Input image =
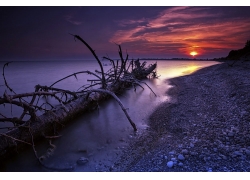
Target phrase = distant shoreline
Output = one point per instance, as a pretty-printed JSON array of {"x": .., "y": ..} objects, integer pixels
[{"x": 143, "y": 59}]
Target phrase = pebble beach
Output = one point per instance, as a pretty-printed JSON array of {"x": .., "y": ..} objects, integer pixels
[{"x": 204, "y": 128}]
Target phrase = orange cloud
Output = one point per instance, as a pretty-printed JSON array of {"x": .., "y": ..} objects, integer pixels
[{"x": 185, "y": 29}]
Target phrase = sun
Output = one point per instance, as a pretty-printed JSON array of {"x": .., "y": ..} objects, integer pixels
[{"x": 193, "y": 53}]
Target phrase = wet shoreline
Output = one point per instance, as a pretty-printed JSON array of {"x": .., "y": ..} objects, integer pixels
[{"x": 204, "y": 128}]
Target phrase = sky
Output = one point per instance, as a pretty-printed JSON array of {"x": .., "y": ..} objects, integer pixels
[{"x": 42, "y": 32}]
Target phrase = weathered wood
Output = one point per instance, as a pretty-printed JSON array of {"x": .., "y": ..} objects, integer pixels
[
  {"x": 51, "y": 121},
  {"x": 48, "y": 122},
  {"x": 104, "y": 85},
  {"x": 44, "y": 125},
  {"x": 120, "y": 103}
]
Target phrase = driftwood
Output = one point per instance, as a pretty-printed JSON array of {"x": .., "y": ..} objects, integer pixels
[{"x": 70, "y": 104}]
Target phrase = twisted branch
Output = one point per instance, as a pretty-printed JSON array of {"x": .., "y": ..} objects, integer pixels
[
  {"x": 104, "y": 85},
  {"x": 119, "y": 102},
  {"x": 74, "y": 74}
]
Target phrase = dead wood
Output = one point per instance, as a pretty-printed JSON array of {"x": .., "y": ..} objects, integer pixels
[
  {"x": 104, "y": 85},
  {"x": 119, "y": 102},
  {"x": 70, "y": 104}
]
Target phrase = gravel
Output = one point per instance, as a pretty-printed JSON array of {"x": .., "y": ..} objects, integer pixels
[{"x": 205, "y": 127}]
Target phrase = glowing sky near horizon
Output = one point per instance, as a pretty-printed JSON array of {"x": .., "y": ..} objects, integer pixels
[{"x": 43, "y": 32}]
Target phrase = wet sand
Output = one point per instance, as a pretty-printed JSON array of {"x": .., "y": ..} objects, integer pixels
[{"x": 205, "y": 127}]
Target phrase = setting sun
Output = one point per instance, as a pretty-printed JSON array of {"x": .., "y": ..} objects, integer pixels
[{"x": 193, "y": 53}]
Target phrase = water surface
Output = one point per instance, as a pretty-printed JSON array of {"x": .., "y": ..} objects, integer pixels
[{"x": 98, "y": 135}]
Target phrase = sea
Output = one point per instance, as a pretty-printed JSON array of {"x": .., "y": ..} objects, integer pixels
[{"x": 99, "y": 135}]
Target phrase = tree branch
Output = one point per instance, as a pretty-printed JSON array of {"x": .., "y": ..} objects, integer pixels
[
  {"x": 104, "y": 85},
  {"x": 74, "y": 74},
  {"x": 2, "y": 134},
  {"x": 119, "y": 102}
]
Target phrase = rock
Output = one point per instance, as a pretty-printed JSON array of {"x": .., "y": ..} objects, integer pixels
[
  {"x": 180, "y": 146},
  {"x": 243, "y": 157},
  {"x": 180, "y": 164},
  {"x": 237, "y": 153},
  {"x": 193, "y": 153},
  {"x": 173, "y": 159},
  {"x": 181, "y": 157},
  {"x": 82, "y": 161},
  {"x": 155, "y": 169},
  {"x": 170, "y": 164},
  {"x": 224, "y": 157},
  {"x": 247, "y": 152},
  {"x": 130, "y": 137},
  {"x": 172, "y": 153},
  {"x": 230, "y": 134},
  {"x": 184, "y": 151},
  {"x": 243, "y": 113},
  {"x": 111, "y": 168}
]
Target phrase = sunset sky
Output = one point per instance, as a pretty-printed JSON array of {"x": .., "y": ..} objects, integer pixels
[{"x": 39, "y": 33}]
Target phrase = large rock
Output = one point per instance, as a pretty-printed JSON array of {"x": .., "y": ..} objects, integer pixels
[
  {"x": 170, "y": 164},
  {"x": 181, "y": 157},
  {"x": 82, "y": 161}
]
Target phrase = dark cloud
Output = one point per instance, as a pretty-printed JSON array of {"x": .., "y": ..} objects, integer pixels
[
  {"x": 35, "y": 32},
  {"x": 71, "y": 20},
  {"x": 195, "y": 28}
]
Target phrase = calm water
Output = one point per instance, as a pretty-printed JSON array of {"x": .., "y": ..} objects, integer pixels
[{"x": 98, "y": 135}]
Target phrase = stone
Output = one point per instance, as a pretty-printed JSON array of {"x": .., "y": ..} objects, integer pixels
[
  {"x": 184, "y": 151},
  {"x": 210, "y": 170},
  {"x": 173, "y": 159},
  {"x": 170, "y": 164},
  {"x": 238, "y": 153},
  {"x": 193, "y": 153},
  {"x": 230, "y": 134},
  {"x": 82, "y": 161},
  {"x": 181, "y": 157},
  {"x": 155, "y": 169},
  {"x": 247, "y": 152},
  {"x": 111, "y": 168},
  {"x": 130, "y": 137},
  {"x": 243, "y": 157},
  {"x": 224, "y": 157},
  {"x": 243, "y": 113},
  {"x": 180, "y": 164},
  {"x": 180, "y": 146},
  {"x": 172, "y": 153}
]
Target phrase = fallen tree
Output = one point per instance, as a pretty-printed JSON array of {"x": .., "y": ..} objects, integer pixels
[{"x": 123, "y": 74}]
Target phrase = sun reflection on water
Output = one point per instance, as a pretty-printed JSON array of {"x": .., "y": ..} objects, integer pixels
[
  {"x": 175, "y": 69},
  {"x": 190, "y": 69}
]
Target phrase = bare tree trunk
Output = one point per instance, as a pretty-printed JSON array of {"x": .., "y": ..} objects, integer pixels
[{"x": 54, "y": 119}]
